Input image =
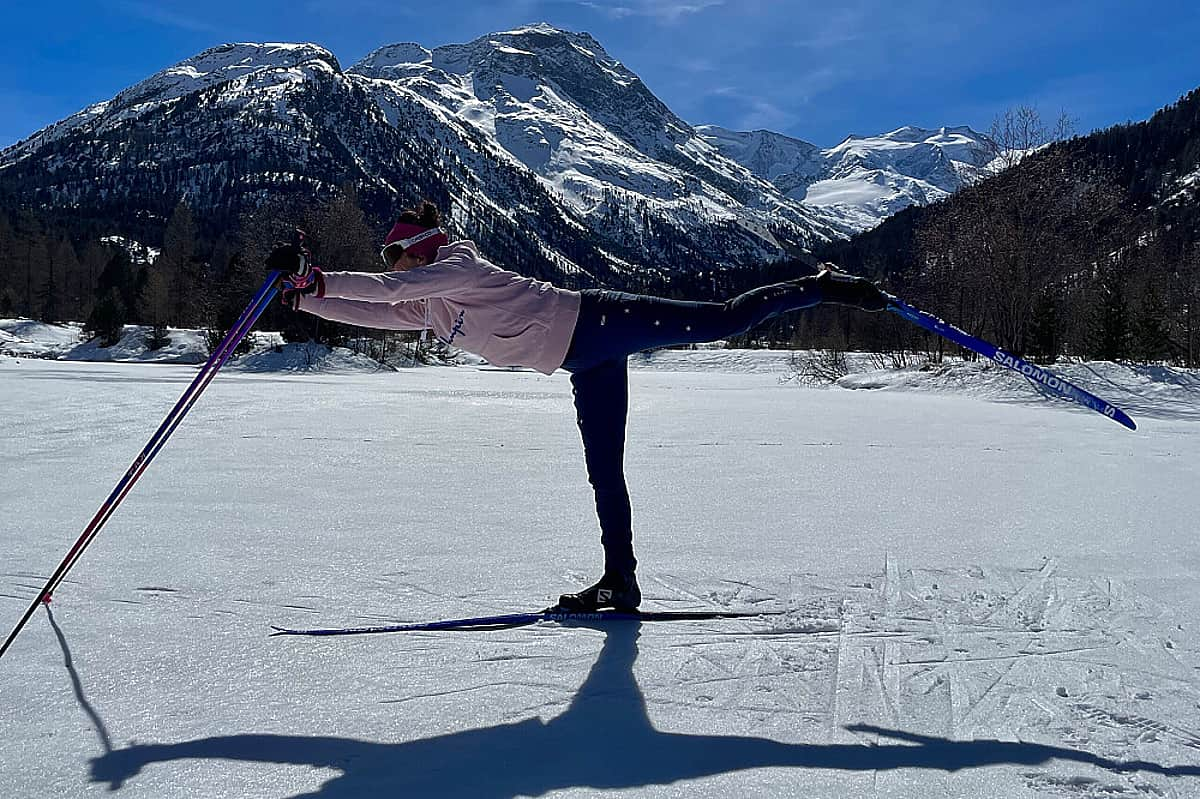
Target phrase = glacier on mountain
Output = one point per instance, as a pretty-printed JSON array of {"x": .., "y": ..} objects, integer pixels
[{"x": 864, "y": 179}]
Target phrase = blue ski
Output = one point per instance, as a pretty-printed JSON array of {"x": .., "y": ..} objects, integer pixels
[
  {"x": 508, "y": 620},
  {"x": 1051, "y": 381}
]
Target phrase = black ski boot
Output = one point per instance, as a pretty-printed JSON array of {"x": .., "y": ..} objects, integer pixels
[{"x": 616, "y": 590}]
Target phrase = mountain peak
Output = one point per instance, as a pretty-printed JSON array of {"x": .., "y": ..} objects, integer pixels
[
  {"x": 544, "y": 28},
  {"x": 864, "y": 177},
  {"x": 913, "y": 134},
  {"x": 245, "y": 61},
  {"x": 537, "y": 117},
  {"x": 543, "y": 38},
  {"x": 222, "y": 63},
  {"x": 392, "y": 61},
  {"x": 228, "y": 60},
  {"x": 908, "y": 133}
]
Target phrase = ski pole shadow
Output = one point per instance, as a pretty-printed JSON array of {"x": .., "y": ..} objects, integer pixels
[
  {"x": 604, "y": 740},
  {"x": 77, "y": 685}
]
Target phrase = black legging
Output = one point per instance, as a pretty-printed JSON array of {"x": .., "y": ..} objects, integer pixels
[{"x": 612, "y": 326}]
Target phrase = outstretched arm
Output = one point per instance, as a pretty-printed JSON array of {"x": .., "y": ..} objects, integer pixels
[
  {"x": 379, "y": 315},
  {"x": 438, "y": 279}
]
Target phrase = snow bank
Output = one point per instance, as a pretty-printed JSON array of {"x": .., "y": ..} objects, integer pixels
[
  {"x": 306, "y": 357},
  {"x": 1140, "y": 389},
  {"x": 24, "y": 338},
  {"x": 29, "y": 339},
  {"x": 183, "y": 346},
  {"x": 712, "y": 359}
]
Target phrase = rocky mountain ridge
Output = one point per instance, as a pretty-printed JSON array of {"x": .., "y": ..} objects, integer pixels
[{"x": 542, "y": 145}]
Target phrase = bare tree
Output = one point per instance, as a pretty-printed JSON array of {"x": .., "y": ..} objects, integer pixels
[
  {"x": 817, "y": 366},
  {"x": 957, "y": 249},
  {"x": 1020, "y": 130},
  {"x": 346, "y": 241},
  {"x": 1004, "y": 257}
]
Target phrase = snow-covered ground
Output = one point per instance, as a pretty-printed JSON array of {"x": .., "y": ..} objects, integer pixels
[
  {"x": 982, "y": 592},
  {"x": 30, "y": 339}
]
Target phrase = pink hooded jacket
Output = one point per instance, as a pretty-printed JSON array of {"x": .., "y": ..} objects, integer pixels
[{"x": 471, "y": 303}]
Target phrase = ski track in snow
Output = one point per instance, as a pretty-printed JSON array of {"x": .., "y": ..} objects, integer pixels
[{"x": 1076, "y": 649}]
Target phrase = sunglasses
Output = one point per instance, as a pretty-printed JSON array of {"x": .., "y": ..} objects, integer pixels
[{"x": 404, "y": 244}]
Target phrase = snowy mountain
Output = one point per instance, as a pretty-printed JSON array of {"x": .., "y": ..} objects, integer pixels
[
  {"x": 553, "y": 155},
  {"x": 235, "y": 121},
  {"x": 863, "y": 180},
  {"x": 249, "y": 74},
  {"x": 555, "y": 103}
]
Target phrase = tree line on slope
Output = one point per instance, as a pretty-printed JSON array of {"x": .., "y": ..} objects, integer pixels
[
  {"x": 59, "y": 267},
  {"x": 1086, "y": 248},
  {"x": 1089, "y": 247}
]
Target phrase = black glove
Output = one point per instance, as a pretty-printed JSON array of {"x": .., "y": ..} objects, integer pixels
[
  {"x": 297, "y": 275},
  {"x": 857, "y": 292},
  {"x": 287, "y": 259},
  {"x": 293, "y": 260}
]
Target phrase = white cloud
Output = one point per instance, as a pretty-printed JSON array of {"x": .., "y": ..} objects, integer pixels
[
  {"x": 662, "y": 10},
  {"x": 161, "y": 16},
  {"x": 757, "y": 112},
  {"x": 843, "y": 27},
  {"x": 345, "y": 8},
  {"x": 697, "y": 65}
]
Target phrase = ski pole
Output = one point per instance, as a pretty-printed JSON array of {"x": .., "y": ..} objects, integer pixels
[
  {"x": 216, "y": 360},
  {"x": 223, "y": 351},
  {"x": 1036, "y": 374}
]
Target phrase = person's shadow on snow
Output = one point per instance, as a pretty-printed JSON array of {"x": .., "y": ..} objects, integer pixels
[{"x": 603, "y": 740}]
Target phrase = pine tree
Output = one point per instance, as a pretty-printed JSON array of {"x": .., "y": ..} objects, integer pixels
[
  {"x": 8, "y": 270},
  {"x": 228, "y": 297},
  {"x": 345, "y": 239},
  {"x": 1151, "y": 337},
  {"x": 119, "y": 276},
  {"x": 48, "y": 298},
  {"x": 92, "y": 261},
  {"x": 35, "y": 259},
  {"x": 1111, "y": 318},
  {"x": 1045, "y": 335},
  {"x": 107, "y": 318},
  {"x": 178, "y": 268},
  {"x": 154, "y": 306},
  {"x": 75, "y": 286}
]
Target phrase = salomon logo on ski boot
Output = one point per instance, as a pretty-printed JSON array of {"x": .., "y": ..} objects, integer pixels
[{"x": 616, "y": 590}]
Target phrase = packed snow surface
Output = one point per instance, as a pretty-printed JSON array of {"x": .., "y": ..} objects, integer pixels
[{"x": 977, "y": 594}]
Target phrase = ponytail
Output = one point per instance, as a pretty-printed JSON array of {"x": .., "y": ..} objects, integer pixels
[{"x": 425, "y": 214}]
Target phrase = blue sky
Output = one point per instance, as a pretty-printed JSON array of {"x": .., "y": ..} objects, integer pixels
[{"x": 817, "y": 71}]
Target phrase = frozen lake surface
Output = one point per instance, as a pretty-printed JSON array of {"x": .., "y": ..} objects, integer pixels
[{"x": 981, "y": 592}]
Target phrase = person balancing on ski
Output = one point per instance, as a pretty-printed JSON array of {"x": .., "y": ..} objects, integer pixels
[{"x": 512, "y": 320}]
